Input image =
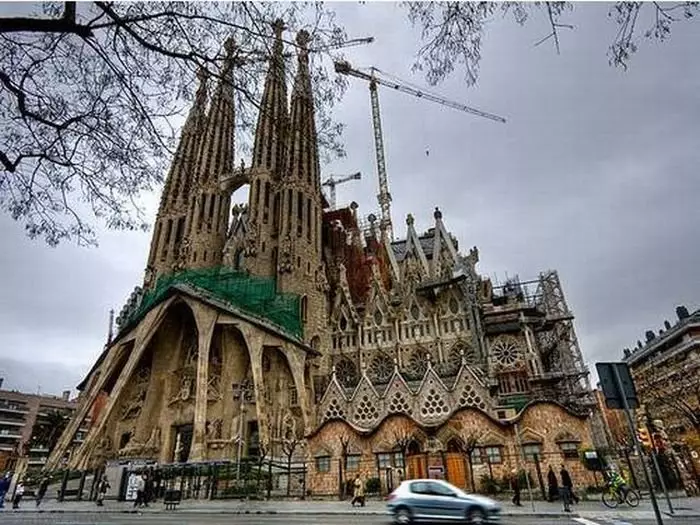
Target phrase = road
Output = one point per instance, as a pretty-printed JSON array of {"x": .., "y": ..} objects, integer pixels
[{"x": 280, "y": 519}]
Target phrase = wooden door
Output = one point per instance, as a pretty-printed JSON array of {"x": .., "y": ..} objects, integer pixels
[
  {"x": 456, "y": 469},
  {"x": 415, "y": 467}
]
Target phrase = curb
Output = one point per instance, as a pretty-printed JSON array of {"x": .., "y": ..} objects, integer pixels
[{"x": 267, "y": 512}]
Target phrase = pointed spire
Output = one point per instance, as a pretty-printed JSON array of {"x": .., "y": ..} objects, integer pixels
[
  {"x": 216, "y": 153},
  {"x": 179, "y": 180},
  {"x": 273, "y": 120},
  {"x": 302, "y": 149}
]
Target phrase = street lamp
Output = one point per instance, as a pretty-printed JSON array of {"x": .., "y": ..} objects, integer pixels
[{"x": 241, "y": 392}]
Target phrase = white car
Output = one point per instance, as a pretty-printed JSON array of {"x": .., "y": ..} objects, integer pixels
[{"x": 436, "y": 500}]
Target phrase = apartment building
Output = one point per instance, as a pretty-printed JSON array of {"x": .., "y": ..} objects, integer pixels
[{"x": 21, "y": 415}]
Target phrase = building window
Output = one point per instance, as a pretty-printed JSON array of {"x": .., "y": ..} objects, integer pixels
[
  {"x": 493, "y": 454},
  {"x": 293, "y": 397},
  {"x": 532, "y": 451},
  {"x": 569, "y": 449},
  {"x": 476, "y": 457},
  {"x": 304, "y": 308},
  {"x": 323, "y": 464},
  {"x": 383, "y": 460},
  {"x": 352, "y": 462},
  {"x": 398, "y": 459}
]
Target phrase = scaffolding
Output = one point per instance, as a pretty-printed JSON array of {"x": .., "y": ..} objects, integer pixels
[{"x": 256, "y": 296}]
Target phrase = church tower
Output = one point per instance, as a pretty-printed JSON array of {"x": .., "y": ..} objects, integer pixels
[
  {"x": 299, "y": 262},
  {"x": 170, "y": 222},
  {"x": 267, "y": 166},
  {"x": 207, "y": 219}
]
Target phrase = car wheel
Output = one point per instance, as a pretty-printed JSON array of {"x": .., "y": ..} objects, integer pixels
[
  {"x": 402, "y": 516},
  {"x": 476, "y": 517}
]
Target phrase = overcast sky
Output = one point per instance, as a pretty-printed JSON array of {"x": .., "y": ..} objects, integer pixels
[{"x": 595, "y": 175}]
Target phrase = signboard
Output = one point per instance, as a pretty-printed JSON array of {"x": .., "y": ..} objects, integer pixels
[
  {"x": 131, "y": 487},
  {"x": 614, "y": 398},
  {"x": 436, "y": 472}
]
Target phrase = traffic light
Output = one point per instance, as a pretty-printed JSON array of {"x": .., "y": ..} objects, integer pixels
[{"x": 644, "y": 438}]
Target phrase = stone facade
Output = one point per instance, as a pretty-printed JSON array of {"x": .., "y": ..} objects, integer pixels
[{"x": 399, "y": 352}]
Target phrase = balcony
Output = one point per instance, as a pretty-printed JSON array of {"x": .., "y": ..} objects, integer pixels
[
  {"x": 13, "y": 409},
  {"x": 5, "y": 434},
  {"x": 38, "y": 450},
  {"x": 6, "y": 448},
  {"x": 11, "y": 422},
  {"x": 37, "y": 461}
]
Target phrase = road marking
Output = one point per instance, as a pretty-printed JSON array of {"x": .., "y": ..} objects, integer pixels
[{"x": 584, "y": 521}]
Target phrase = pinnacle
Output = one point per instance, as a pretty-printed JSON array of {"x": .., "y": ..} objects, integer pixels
[{"x": 303, "y": 39}]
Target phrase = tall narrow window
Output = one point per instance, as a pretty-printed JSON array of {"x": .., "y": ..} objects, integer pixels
[
  {"x": 304, "y": 308},
  {"x": 308, "y": 219},
  {"x": 300, "y": 213}
]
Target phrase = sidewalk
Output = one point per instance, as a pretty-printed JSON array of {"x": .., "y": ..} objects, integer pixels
[{"x": 686, "y": 507}]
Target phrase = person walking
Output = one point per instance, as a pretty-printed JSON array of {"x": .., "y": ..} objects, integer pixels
[
  {"x": 553, "y": 484},
  {"x": 515, "y": 485},
  {"x": 567, "y": 488},
  {"x": 140, "y": 488},
  {"x": 41, "y": 492},
  {"x": 4, "y": 487},
  {"x": 358, "y": 494},
  {"x": 102, "y": 487},
  {"x": 147, "y": 489},
  {"x": 19, "y": 492}
]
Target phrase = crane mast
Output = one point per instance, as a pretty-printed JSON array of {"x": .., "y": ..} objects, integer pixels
[{"x": 384, "y": 196}]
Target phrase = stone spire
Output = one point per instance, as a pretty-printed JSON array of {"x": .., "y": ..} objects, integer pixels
[
  {"x": 208, "y": 213},
  {"x": 267, "y": 166},
  {"x": 302, "y": 148},
  {"x": 300, "y": 207},
  {"x": 170, "y": 221},
  {"x": 270, "y": 133},
  {"x": 215, "y": 157}
]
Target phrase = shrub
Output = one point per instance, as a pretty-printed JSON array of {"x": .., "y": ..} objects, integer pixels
[
  {"x": 372, "y": 486},
  {"x": 488, "y": 484}
]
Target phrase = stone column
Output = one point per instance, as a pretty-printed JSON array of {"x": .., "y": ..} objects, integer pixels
[
  {"x": 254, "y": 340},
  {"x": 145, "y": 331},
  {"x": 296, "y": 359},
  {"x": 206, "y": 322}
]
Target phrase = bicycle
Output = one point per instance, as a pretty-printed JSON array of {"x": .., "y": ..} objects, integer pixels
[{"x": 613, "y": 496}]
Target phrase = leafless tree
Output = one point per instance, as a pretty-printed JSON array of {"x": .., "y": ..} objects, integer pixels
[
  {"x": 290, "y": 443},
  {"x": 673, "y": 397},
  {"x": 452, "y": 31},
  {"x": 90, "y": 94},
  {"x": 403, "y": 435}
]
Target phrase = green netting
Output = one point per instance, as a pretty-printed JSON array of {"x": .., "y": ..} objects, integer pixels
[{"x": 256, "y": 296}]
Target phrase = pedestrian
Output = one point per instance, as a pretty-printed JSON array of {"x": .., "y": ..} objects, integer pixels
[
  {"x": 553, "y": 484},
  {"x": 19, "y": 492},
  {"x": 567, "y": 488},
  {"x": 148, "y": 489},
  {"x": 102, "y": 487},
  {"x": 515, "y": 485},
  {"x": 4, "y": 487},
  {"x": 41, "y": 492},
  {"x": 140, "y": 488},
  {"x": 358, "y": 494}
]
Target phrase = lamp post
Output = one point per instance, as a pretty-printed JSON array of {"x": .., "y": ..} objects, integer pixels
[{"x": 241, "y": 392}]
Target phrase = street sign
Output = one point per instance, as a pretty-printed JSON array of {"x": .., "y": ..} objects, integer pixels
[{"x": 609, "y": 384}]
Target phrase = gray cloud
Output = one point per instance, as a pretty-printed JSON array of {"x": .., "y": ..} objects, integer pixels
[{"x": 595, "y": 174}]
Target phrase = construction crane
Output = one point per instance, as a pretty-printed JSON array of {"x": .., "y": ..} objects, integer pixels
[
  {"x": 384, "y": 196},
  {"x": 332, "y": 182},
  {"x": 257, "y": 55}
]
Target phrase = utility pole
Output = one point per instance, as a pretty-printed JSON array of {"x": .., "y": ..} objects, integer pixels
[{"x": 616, "y": 394}]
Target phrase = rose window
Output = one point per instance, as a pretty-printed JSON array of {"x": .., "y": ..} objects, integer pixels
[
  {"x": 346, "y": 372},
  {"x": 417, "y": 364},
  {"x": 380, "y": 369},
  {"x": 505, "y": 352},
  {"x": 469, "y": 398}
]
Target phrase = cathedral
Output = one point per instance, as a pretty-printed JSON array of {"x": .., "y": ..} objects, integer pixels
[{"x": 288, "y": 324}]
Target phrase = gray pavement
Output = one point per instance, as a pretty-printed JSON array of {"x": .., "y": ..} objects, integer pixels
[
  {"x": 330, "y": 511},
  {"x": 105, "y": 518}
]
